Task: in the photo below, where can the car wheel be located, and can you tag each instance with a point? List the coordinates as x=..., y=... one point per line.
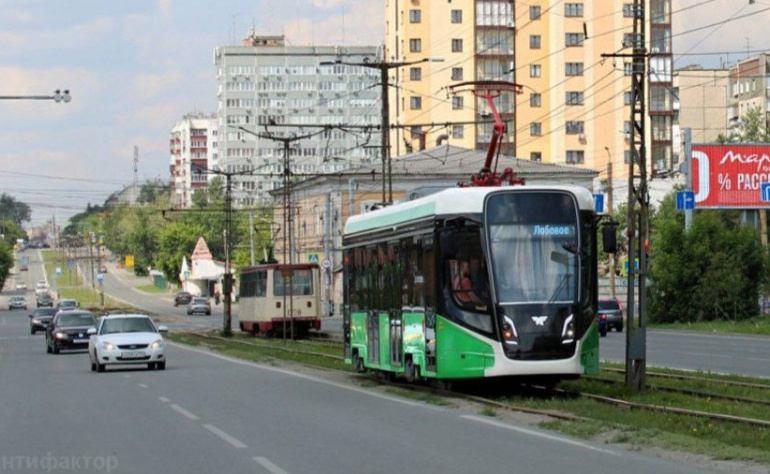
x=208, y=313
x=48, y=348
x=55, y=349
x=160, y=365
x=603, y=331
x=189, y=313
x=151, y=366
x=619, y=328
x=32, y=331
x=99, y=367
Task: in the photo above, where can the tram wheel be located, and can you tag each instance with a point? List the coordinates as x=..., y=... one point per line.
x=358, y=364
x=411, y=372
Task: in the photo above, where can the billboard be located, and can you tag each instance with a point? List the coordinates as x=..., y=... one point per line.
x=730, y=175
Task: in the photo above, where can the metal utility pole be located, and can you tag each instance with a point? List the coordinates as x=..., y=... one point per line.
x=638, y=211
x=251, y=237
x=384, y=67
x=227, y=291
x=99, y=268
x=91, y=259
x=688, y=173
x=609, y=207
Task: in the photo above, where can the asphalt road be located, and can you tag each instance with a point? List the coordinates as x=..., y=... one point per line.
x=207, y=413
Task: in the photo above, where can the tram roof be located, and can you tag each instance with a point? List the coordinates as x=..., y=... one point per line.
x=450, y=201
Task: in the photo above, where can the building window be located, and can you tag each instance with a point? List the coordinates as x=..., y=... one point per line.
x=415, y=103
x=575, y=157
x=574, y=39
x=415, y=73
x=627, y=156
x=575, y=127
x=457, y=74
x=536, y=156
x=534, y=13
x=457, y=46
x=573, y=69
x=535, y=129
x=457, y=16
x=457, y=102
x=534, y=41
x=627, y=97
x=627, y=129
x=535, y=70
x=535, y=100
x=574, y=98
x=415, y=16
x=629, y=10
x=415, y=131
x=573, y=9
x=631, y=40
x=458, y=131
x=415, y=45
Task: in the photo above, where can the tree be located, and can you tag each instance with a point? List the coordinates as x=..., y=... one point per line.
x=14, y=210
x=6, y=262
x=752, y=128
x=151, y=190
x=176, y=241
x=707, y=273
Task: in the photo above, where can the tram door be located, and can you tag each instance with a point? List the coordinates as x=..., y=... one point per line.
x=430, y=340
x=373, y=337
x=396, y=339
x=346, y=330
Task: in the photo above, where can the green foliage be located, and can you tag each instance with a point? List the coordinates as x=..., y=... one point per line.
x=18, y=212
x=11, y=231
x=176, y=241
x=151, y=191
x=752, y=128
x=711, y=272
x=6, y=262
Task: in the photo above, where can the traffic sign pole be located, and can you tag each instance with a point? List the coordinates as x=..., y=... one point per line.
x=688, y=174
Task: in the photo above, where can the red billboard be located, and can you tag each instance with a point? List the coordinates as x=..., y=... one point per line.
x=730, y=176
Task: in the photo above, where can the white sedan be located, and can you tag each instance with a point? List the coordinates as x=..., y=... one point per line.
x=126, y=339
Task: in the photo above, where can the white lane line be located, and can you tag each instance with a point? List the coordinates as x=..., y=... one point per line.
x=184, y=413
x=235, y=442
x=701, y=354
x=143, y=385
x=538, y=434
x=264, y=462
x=305, y=376
x=757, y=359
x=164, y=399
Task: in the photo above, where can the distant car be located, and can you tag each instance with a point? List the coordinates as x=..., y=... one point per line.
x=126, y=339
x=17, y=302
x=69, y=330
x=199, y=305
x=103, y=269
x=41, y=287
x=44, y=300
x=610, y=315
x=67, y=304
x=183, y=297
x=21, y=286
x=40, y=319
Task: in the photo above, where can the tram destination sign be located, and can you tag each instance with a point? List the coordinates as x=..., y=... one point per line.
x=730, y=175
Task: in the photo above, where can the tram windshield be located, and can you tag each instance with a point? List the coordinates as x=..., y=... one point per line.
x=533, y=245
x=301, y=281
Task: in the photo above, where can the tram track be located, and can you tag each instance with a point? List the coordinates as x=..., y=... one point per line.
x=693, y=378
x=546, y=391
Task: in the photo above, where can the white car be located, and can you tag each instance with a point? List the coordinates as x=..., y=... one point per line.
x=21, y=286
x=126, y=339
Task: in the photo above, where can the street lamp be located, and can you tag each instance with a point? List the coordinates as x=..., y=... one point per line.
x=58, y=96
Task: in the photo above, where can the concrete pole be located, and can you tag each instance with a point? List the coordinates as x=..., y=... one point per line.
x=609, y=209
x=251, y=236
x=688, y=173
x=327, y=254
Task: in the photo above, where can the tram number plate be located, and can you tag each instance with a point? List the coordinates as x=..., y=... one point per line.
x=132, y=355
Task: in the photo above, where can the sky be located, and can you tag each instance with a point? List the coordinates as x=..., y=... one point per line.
x=135, y=67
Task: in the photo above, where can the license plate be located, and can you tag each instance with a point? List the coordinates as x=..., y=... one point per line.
x=80, y=341
x=132, y=355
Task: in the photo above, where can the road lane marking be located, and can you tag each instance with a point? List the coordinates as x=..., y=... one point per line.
x=758, y=359
x=235, y=442
x=537, y=434
x=264, y=462
x=184, y=413
x=701, y=354
x=306, y=377
x=143, y=385
x=126, y=376
x=164, y=399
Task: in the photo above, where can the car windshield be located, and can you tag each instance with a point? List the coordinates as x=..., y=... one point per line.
x=76, y=319
x=200, y=301
x=119, y=325
x=44, y=312
x=609, y=305
x=17, y=298
x=67, y=304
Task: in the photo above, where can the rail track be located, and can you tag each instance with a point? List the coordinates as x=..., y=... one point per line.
x=497, y=404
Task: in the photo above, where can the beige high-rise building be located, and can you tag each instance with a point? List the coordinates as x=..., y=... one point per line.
x=700, y=104
x=575, y=105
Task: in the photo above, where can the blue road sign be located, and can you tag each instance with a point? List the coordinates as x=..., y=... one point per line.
x=312, y=258
x=100, y=277
x=765, y=187
x=599, y=203
x=685, y=200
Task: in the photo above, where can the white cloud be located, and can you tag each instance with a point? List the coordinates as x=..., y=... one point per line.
x=165, y=7
x=81, y=35
x=359, y=23
x=149, y=85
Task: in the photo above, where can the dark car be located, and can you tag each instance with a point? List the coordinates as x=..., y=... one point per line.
x=40, y=319
x=199, y=305
x=44, y=300
x=69, y=330
x=610, y=315
x=183, y=297
x=67, y=304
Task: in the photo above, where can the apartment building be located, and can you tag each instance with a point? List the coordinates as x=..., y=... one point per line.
x=267, y=89
x=749, y=89
x=700, y=104
x=193, y=148
x=574, y=105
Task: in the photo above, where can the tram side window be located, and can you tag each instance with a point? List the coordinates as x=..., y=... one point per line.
x=588, y=264
x=407, y=271
x=260, y=284
x=395, y=276
x=248, y=282
x=351, y=283
x=373, y=278
x=427, y=271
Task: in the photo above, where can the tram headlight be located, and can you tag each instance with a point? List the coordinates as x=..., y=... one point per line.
x=568, y=331
x=509, y=331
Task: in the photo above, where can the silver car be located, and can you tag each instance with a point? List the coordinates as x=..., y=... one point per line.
x=199, y=305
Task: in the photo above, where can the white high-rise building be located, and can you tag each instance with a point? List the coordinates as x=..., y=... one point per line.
x=263, y=84
x=193, y=148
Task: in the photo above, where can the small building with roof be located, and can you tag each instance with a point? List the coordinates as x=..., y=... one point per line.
x=203, y=275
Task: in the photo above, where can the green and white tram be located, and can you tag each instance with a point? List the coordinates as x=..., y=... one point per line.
x=474, y=282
